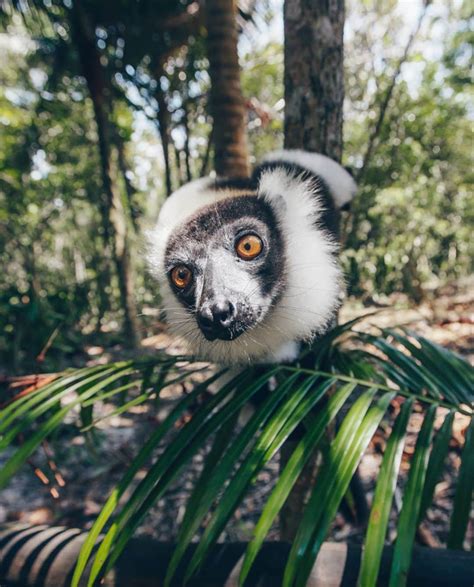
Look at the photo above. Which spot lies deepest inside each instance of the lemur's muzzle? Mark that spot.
(217, 319)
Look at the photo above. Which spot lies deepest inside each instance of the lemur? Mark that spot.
(248, 268)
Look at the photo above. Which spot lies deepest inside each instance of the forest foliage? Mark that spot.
(105, 109)
(409, 229)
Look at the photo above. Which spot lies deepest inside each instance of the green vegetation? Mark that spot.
(410, 226)
(104, 110)
(403, 364)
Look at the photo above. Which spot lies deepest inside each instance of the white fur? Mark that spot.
(313, 278)
(177, 209)
(340, 182)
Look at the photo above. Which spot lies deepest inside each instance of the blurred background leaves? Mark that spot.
(410, 227)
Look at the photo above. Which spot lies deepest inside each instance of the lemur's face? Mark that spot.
(226, 266)
(246, 268)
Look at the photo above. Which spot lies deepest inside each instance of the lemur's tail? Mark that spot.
(339, 180)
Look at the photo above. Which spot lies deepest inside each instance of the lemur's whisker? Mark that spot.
(180, 320)
(295, 309)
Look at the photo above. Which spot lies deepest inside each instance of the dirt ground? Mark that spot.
(88, 466)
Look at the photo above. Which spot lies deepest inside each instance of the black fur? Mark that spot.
(330, 215)
(237, 183)
(211, 218)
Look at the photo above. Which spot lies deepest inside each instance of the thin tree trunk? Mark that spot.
(226, 100)
(102, 277)
(207, 153)
(187, 154)
(362, 205)
(129, 189)
(179, 170)
(314, 95)
(93, 73)
(163, 116)
(314, 76)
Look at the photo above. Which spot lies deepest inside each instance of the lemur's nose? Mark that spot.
(216, 318)
(223, 313)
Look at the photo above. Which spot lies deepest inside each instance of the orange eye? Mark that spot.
(181, 276)
(248, 247)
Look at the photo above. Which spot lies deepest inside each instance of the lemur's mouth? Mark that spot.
(227, 334)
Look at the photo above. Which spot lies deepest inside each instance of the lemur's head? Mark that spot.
(244, 269)
(226, 266)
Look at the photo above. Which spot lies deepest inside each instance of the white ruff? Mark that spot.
(313, 279)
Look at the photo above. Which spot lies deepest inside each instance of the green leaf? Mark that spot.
(280, 426)
(455, 371)
(189, 440)
(30, 414)
(453, 376)
(25, 404)
(292, 471)
(334, 479)
(209, 487)
(464, 493)
(313, 512)
(414, 375)
(422, 370)
(139, 399)
(436, 462)
(324, 349)
(100, 397)
(220, 447)
(138, 462)
(408, 520)
(383, 497)
(30, 445)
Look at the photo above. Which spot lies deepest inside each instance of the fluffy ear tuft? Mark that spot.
(290, 194)
(340, 182)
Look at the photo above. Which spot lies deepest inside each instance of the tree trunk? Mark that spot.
(314, 75)
(226, 101)
(163, 117)
(179, 170)
(187, 153)
(102, 277)
(94, 75)
(207, 154)
(314, 95)
(130, 191)
(388, 93)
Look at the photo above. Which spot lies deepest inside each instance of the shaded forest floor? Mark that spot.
(89, 465)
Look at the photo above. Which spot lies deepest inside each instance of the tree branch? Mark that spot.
(374, 135)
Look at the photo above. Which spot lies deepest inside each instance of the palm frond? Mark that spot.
(347, 364)
(382, 502)
(293, 469)
(408, 520)
(464, 492)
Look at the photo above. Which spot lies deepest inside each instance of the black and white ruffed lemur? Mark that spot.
(248, 269)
